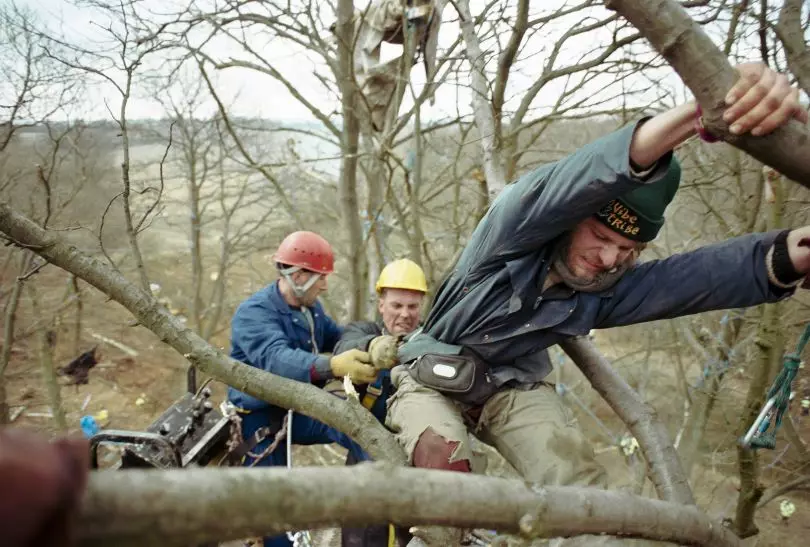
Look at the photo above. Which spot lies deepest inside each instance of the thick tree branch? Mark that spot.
(508, 56)
(484, 119)
(707, 73)
(349, 417)
(789, 30)
(664, 466)
(135, 507)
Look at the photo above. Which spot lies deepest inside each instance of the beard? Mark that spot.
(600, 281)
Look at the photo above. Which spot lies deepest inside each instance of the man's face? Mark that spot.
(400, 310)
(596, 249)
(301, 277)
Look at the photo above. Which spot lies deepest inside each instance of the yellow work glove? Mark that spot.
(383, 351)
(354, 363)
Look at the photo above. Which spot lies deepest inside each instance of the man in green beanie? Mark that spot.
(556, 256)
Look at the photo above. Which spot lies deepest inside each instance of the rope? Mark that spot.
(762, 433)
(301, 538)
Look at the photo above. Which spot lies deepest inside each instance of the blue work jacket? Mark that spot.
(267, 333)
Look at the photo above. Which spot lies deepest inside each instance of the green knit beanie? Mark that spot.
(639, 214)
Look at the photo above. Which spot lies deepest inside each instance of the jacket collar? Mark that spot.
(276, 300)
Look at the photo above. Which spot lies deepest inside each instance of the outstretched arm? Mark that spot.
(735, 273)
(759, 102)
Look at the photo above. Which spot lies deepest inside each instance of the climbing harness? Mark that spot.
(761, 435)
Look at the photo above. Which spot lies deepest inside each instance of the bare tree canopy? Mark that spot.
(161, 156)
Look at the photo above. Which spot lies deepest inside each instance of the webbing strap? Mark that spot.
(762, 433)
(372, 393)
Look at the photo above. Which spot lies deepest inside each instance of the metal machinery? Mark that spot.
(191, 432)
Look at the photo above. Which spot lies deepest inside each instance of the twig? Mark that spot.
(126, 349)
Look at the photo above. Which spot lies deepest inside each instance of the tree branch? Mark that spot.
(789, 30)
(484, 119)
(136, 507)
(664, 466)
(707, 73)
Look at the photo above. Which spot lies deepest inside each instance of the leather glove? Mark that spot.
(383, 351)
(354, 363)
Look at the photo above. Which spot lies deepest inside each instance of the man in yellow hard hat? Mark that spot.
(401, 290)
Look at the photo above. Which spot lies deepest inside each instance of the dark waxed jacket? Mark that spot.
(491, 301)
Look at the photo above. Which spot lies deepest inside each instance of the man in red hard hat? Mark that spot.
(283, 329)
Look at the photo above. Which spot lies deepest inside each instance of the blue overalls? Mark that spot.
(268, 334)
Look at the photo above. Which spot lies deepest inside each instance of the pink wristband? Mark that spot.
(702, 132)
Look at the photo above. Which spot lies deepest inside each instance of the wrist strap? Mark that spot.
(702, 132)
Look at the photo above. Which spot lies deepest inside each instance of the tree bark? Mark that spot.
(705, 398)
(350, 137)
(770, 346)
(46, 334)
(347, 416)
(77, 325)
(132, 230)
(176, 507)
(8, 334)
(707, 73)
(789, 30)
(484, 119)
(665, 469)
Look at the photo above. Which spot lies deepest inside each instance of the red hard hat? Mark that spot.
(306, 250)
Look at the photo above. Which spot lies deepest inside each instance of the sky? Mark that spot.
(251, 94)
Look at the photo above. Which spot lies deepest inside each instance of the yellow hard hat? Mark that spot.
(402, 274)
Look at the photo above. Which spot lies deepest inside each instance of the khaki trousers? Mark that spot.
(532, 429)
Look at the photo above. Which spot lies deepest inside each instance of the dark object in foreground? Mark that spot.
(43, 482)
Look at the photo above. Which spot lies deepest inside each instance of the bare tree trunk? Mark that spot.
(747, 461)
(770, 345)
(196, 248)
(132, 234)
(47, 341)
(707, 73)
(736, 13)
(704, 399)
(376, 179)
(417, 238)
(8, 333)
(789, 30)
(350, 137)
(665, 469)
(77, 325)
(484, 119)
(136, 507)
(217, 301)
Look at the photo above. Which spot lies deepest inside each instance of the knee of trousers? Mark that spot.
(434, 451)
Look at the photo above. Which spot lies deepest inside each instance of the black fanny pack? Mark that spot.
(463, 377)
